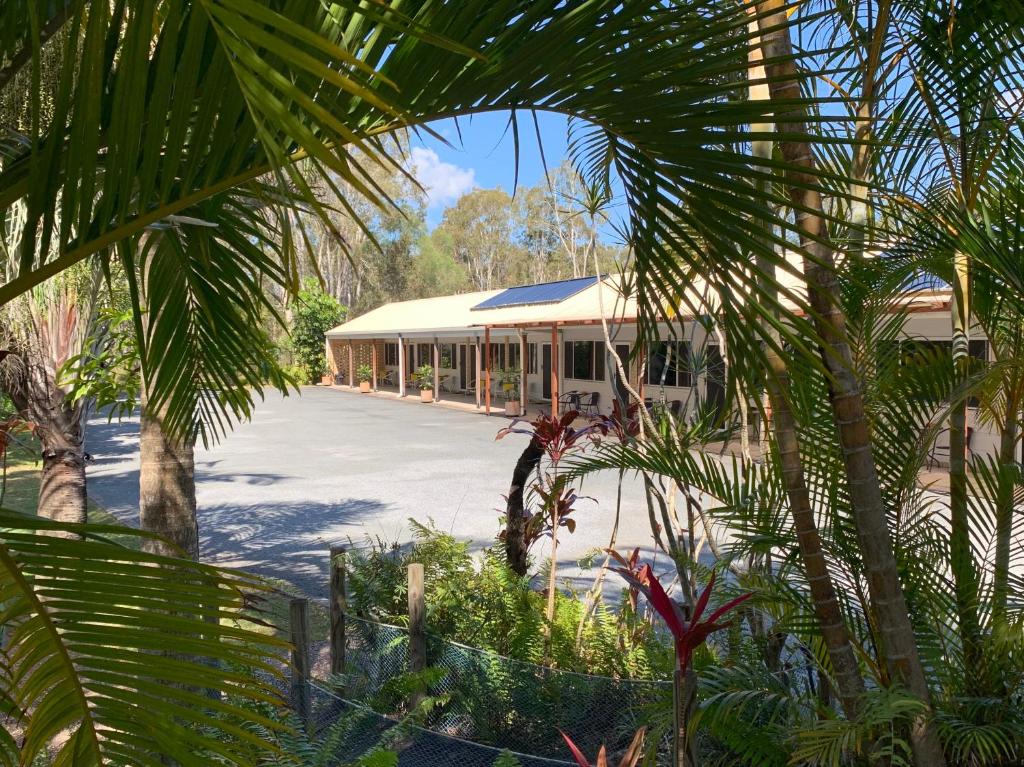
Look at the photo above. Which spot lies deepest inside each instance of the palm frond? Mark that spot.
(125, 653)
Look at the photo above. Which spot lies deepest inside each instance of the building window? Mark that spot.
(668, 364)
(497, 356)
(423, 355)
(584, 360)
(391, 354)
(448, 356)
(513, 356)
(531, 356)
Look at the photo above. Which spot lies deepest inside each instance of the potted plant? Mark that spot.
(327, 379)
(510, 378)
(364, 374)
(424, 379)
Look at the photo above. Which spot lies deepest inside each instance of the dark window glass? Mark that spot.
(599, 360)
(660, 371)
(531, 353)
(583, 360)
(567, 368)
(448, 355)
(681, 362)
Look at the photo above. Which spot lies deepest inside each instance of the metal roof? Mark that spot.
(544, 293)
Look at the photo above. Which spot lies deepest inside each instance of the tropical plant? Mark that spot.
(364, 374)
(423, 377)
(109, 651)
(630, 759)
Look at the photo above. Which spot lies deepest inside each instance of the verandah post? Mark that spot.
(555, 354)
(298, 619)
(487, 369)
(337, 610)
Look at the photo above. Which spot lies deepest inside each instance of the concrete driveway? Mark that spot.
(331, 466)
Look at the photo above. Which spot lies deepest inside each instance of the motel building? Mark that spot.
(542, 347)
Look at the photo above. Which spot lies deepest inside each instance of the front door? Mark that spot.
(545, 371)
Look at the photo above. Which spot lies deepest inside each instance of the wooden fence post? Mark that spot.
(338, 608)
(299, 693)
(417, 615)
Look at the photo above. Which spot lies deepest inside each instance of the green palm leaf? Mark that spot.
(88, 624)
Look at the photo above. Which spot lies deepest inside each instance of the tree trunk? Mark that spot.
(896, 633)
(824, 597)
(58, 426)
(167, 489)
(1009, 475)
(516, 552)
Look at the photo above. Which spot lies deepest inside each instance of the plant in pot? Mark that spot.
(424, 379)
(364, 374)
(510, 378)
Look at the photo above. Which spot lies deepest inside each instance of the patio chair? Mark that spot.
(570, 400)
(470, 389)
(939, 453)
(590, 403)
(450, 384)
(675, 407)
(389, 378)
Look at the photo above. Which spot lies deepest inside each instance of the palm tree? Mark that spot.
(48, 329)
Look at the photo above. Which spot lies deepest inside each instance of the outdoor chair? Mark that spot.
(470, 388)
(569, 401)
(590, 404)
(675, 407)
(939, 453)
(450, 384)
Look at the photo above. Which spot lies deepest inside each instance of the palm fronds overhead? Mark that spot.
(163, 104)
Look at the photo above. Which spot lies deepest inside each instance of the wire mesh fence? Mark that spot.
(355, 730)
(491, 700)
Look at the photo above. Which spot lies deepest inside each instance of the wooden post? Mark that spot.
(556, 354)
(477, 374)
(338, 607)
(522, 373)
(373, 363)
(437, 370)
(332, 368)
(487, 369)
(351, 366)
(298, 613)
(401, 366)
(417, 619)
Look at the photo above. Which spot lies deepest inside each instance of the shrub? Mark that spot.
(316, 312)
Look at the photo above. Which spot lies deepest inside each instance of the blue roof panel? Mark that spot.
(545, 293)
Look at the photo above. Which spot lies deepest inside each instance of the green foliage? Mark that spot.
(505, 759)
(108, 372)
(423, 377)
(486, 605)
(364, 374)
(315, 313)
(123, 656)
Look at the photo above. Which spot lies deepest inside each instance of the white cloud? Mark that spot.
(444, 182)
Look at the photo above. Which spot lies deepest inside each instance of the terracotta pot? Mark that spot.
(426, 395)
(327, 380)
(364, 387)
(512, 408)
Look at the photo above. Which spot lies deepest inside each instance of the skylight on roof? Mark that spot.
(545, 293)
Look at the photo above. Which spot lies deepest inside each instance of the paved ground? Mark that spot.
(329, 465)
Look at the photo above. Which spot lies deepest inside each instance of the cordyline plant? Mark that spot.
(554, 437)
(688, 634)
(630, 759)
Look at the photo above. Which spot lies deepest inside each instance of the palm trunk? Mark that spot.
(827, 611)
(58, 425)
(167, 489)
(961, 561)
(1008, 472)
(897, 641)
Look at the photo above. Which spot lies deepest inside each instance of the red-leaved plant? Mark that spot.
(630, 759)
(687, 634)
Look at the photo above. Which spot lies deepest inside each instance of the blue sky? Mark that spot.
(484, 157)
